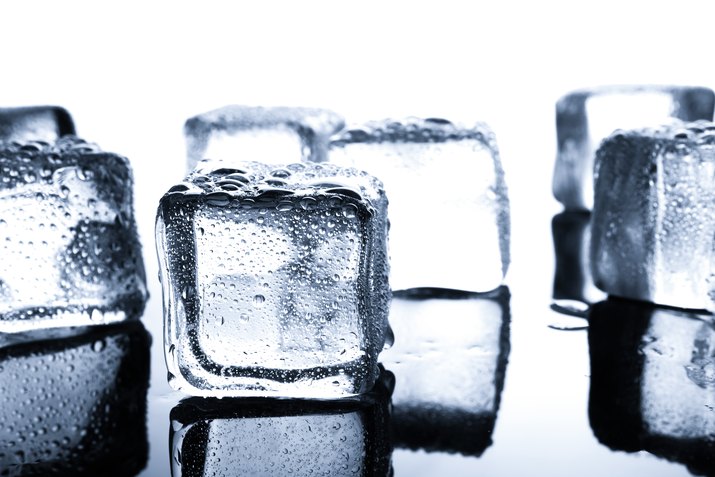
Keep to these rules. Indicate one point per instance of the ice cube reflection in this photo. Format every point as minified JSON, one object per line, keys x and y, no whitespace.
{"x":74,"y":401}
{"x":653,"y":382}
{"x":449,"y":360}
{"x":573,"y":289}
{"x":266,"y":437}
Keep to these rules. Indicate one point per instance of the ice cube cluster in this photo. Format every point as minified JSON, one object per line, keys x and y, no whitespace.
{"x":585,"y":117}
{"x":275,"y":279}
{"x":444,"y":232}
{"x":653,"y":220}
{"x":271,"y":135}
{"x":68,"y":240}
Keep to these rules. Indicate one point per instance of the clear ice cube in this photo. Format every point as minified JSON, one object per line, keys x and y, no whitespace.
{"x":585,"y":117}
{"x":274,"y":279}
{"x":74,"y":401}
{"x":35,"y":123}
{"x":449,"y":362}
{"x":653,"y":220}
{"x":69,"y":245}
{"x":243,"y":437}
{"x":275,"y":135}
{"x":652,"y":382}
{"x":449,"y":211}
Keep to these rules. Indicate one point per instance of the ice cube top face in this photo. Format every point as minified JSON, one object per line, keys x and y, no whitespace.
{"x":653,"y":220}
{"x":35,"y":123}
{"x":449,"y":211}
{"x":584,"y":118}
{"x":68,"y":242}
{"x":274,"y":280}
{"x":269,"y":135}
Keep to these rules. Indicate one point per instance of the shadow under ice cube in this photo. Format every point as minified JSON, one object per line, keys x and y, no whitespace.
{"x":74,"y":401}
{"x":68,"y":240}
{"x":449,"y":211}
{"x":449,"y":362}
{"x":264,"y":437}
{"x":271,"y":135}
{"x":274,"y":280}
{"x":653,"y":219}
{"x":653,"y":382}
{"x":584,"y":118}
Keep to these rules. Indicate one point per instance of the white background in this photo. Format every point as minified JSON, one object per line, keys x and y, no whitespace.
{"x":130,"y":73}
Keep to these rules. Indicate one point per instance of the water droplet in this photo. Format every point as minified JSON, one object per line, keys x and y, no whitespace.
{"x":258,"y":300}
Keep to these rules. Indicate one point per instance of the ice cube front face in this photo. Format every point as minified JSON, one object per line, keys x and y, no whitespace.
{"x":584,"y":118}
{"x":245,"y":133}
{"x":68,"y":240}
{"x":653,"y":220}
{"x":274,"y":280}
{"x":449,"y":211}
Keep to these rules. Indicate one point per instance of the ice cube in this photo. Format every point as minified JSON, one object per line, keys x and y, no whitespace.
{"x":271,"y":135}
{"x":652,"y":382}
{"x":573,"y":284}
{"x":249,"y":437}
{"x":274,"y":279}
{"x":34,"y":123}
{"x":585,"y":117}
{"x":449,"y":361}
{"x":653,"y":220}
{"x":75,"y":405}
{"x":70,"y":251}
{"x":449,"y":212}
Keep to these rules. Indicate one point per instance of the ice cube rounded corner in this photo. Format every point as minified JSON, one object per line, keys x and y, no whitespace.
{"x":71,"y":254}
{"x":274,"y":280}
{"x":653,"y":220}
{"x":587,"y":116}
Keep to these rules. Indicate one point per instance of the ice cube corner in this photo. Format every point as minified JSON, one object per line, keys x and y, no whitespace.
{"x":274,"y":280}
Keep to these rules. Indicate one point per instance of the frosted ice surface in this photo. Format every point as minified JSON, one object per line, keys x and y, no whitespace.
{"x":275,"y":135}
{"x":653,"y":221}
{"x":69,"y":245}
{"x":34,"y":123}
{"x":585,"y":117}
{"x":75,"y":405}
{"x":449,"y":361}
{"x":275,"y":279}
{"x":449,"y":211}
{"x":281,"y":437}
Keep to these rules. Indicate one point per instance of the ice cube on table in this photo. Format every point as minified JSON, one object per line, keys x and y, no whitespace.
{"x":449,"y":211}
{"x":653,"y":219}
{"x":274,"y":280}
{"x":274,"y":135}
{"x":652,"y":381}
{"x":251,"y":437}
{"x":35,"y":123}
{"x":449,"y":360}
{"x":74,"y":401}
{"x":585,"y":117}
{"x":68,"y":240}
